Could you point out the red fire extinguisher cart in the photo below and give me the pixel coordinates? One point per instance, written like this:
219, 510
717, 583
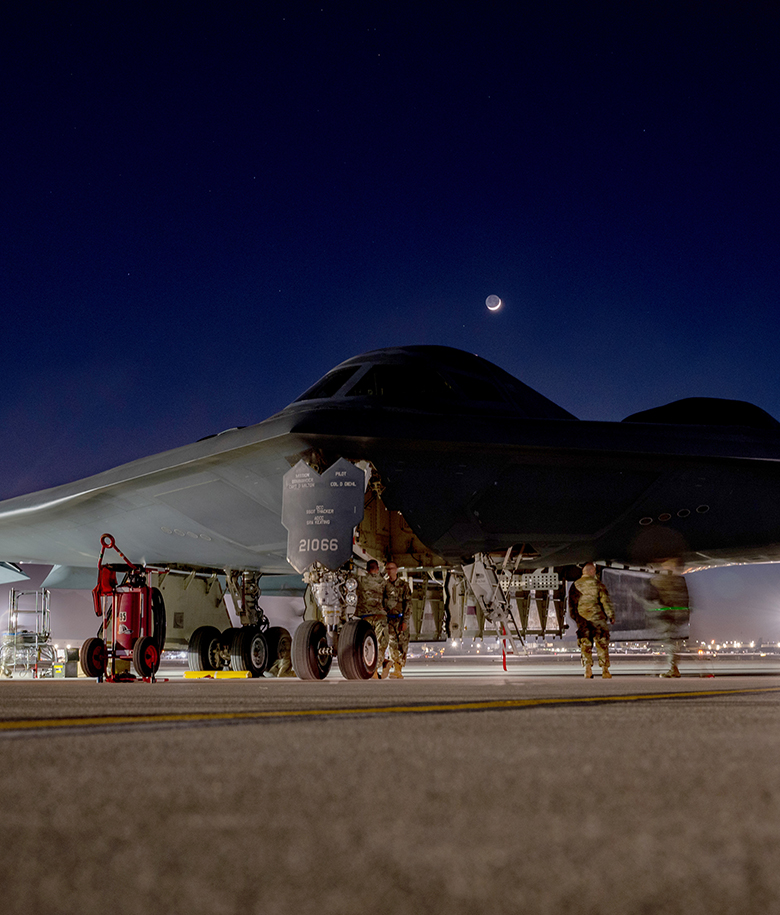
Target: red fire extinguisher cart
133, 615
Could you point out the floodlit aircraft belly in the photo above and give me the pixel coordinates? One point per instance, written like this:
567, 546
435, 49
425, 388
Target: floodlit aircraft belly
465, 479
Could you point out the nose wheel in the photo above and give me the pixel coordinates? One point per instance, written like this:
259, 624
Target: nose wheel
312, 656
357, 650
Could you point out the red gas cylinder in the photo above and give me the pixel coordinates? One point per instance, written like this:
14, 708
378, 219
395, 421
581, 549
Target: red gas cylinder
127, 607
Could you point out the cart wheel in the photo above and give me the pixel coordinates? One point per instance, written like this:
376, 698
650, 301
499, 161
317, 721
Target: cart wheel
203, 648
357, 650
248, 651
146, 656
93, 657
311, 654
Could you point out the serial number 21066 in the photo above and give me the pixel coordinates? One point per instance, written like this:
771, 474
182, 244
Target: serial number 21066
313, 544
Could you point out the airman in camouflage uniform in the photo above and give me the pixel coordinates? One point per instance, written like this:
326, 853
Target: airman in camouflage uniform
591, 610
282, 666
397, 601
668, 610
370, 607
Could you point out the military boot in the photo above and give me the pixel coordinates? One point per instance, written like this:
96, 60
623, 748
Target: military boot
605, 674
588, 671
396, 674
385, 669
672, 672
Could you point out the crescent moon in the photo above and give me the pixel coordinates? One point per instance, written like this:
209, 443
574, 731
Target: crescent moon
493, 302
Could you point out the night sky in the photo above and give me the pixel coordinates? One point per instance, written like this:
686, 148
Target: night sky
206, 207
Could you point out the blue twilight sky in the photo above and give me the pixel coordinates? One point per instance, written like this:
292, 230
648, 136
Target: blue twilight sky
205, 207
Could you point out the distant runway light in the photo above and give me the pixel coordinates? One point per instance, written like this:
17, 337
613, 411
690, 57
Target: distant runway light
493, 302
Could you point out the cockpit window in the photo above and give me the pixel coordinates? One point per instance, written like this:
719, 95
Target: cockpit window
332, 382
410, 385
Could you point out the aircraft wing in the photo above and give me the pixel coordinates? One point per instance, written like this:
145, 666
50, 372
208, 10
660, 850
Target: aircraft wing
213, 504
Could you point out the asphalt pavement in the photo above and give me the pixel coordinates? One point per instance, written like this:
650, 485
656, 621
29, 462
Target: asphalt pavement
460, 794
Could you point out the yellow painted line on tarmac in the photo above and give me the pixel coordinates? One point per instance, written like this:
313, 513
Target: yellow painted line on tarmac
110, 721
217, 675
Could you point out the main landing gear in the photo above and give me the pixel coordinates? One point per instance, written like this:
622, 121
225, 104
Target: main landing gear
239, 648
254, 646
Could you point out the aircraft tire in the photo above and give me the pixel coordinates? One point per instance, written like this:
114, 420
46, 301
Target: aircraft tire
226, 643
309, 661
357, 650
272, 637
249, 651
227, 637
203, 648
146, 656
93, 657
158, 616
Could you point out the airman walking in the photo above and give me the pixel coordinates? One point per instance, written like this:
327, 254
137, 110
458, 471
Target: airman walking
669, 609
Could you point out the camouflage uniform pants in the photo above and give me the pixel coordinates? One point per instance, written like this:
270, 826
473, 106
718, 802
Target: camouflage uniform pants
588, 633
281, 668
379, 622
399, 640
667, 623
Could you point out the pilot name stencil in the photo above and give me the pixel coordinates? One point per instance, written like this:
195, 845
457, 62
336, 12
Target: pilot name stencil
321, 513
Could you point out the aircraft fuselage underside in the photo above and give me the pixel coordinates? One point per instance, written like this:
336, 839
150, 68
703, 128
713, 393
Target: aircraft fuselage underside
461, 460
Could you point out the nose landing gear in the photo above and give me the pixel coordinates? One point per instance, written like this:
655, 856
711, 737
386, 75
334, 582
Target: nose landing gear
352, 641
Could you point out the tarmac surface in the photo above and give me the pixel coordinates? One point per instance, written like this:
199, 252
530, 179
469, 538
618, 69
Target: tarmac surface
449, 794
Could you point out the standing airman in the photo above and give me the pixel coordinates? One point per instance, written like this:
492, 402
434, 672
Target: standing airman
370, 607
397, 601
591, 610
282, 666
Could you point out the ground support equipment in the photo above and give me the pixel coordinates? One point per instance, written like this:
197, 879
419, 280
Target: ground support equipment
26, 648
133, 622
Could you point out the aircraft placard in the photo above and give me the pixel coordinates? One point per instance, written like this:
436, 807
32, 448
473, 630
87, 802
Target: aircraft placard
321, 513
